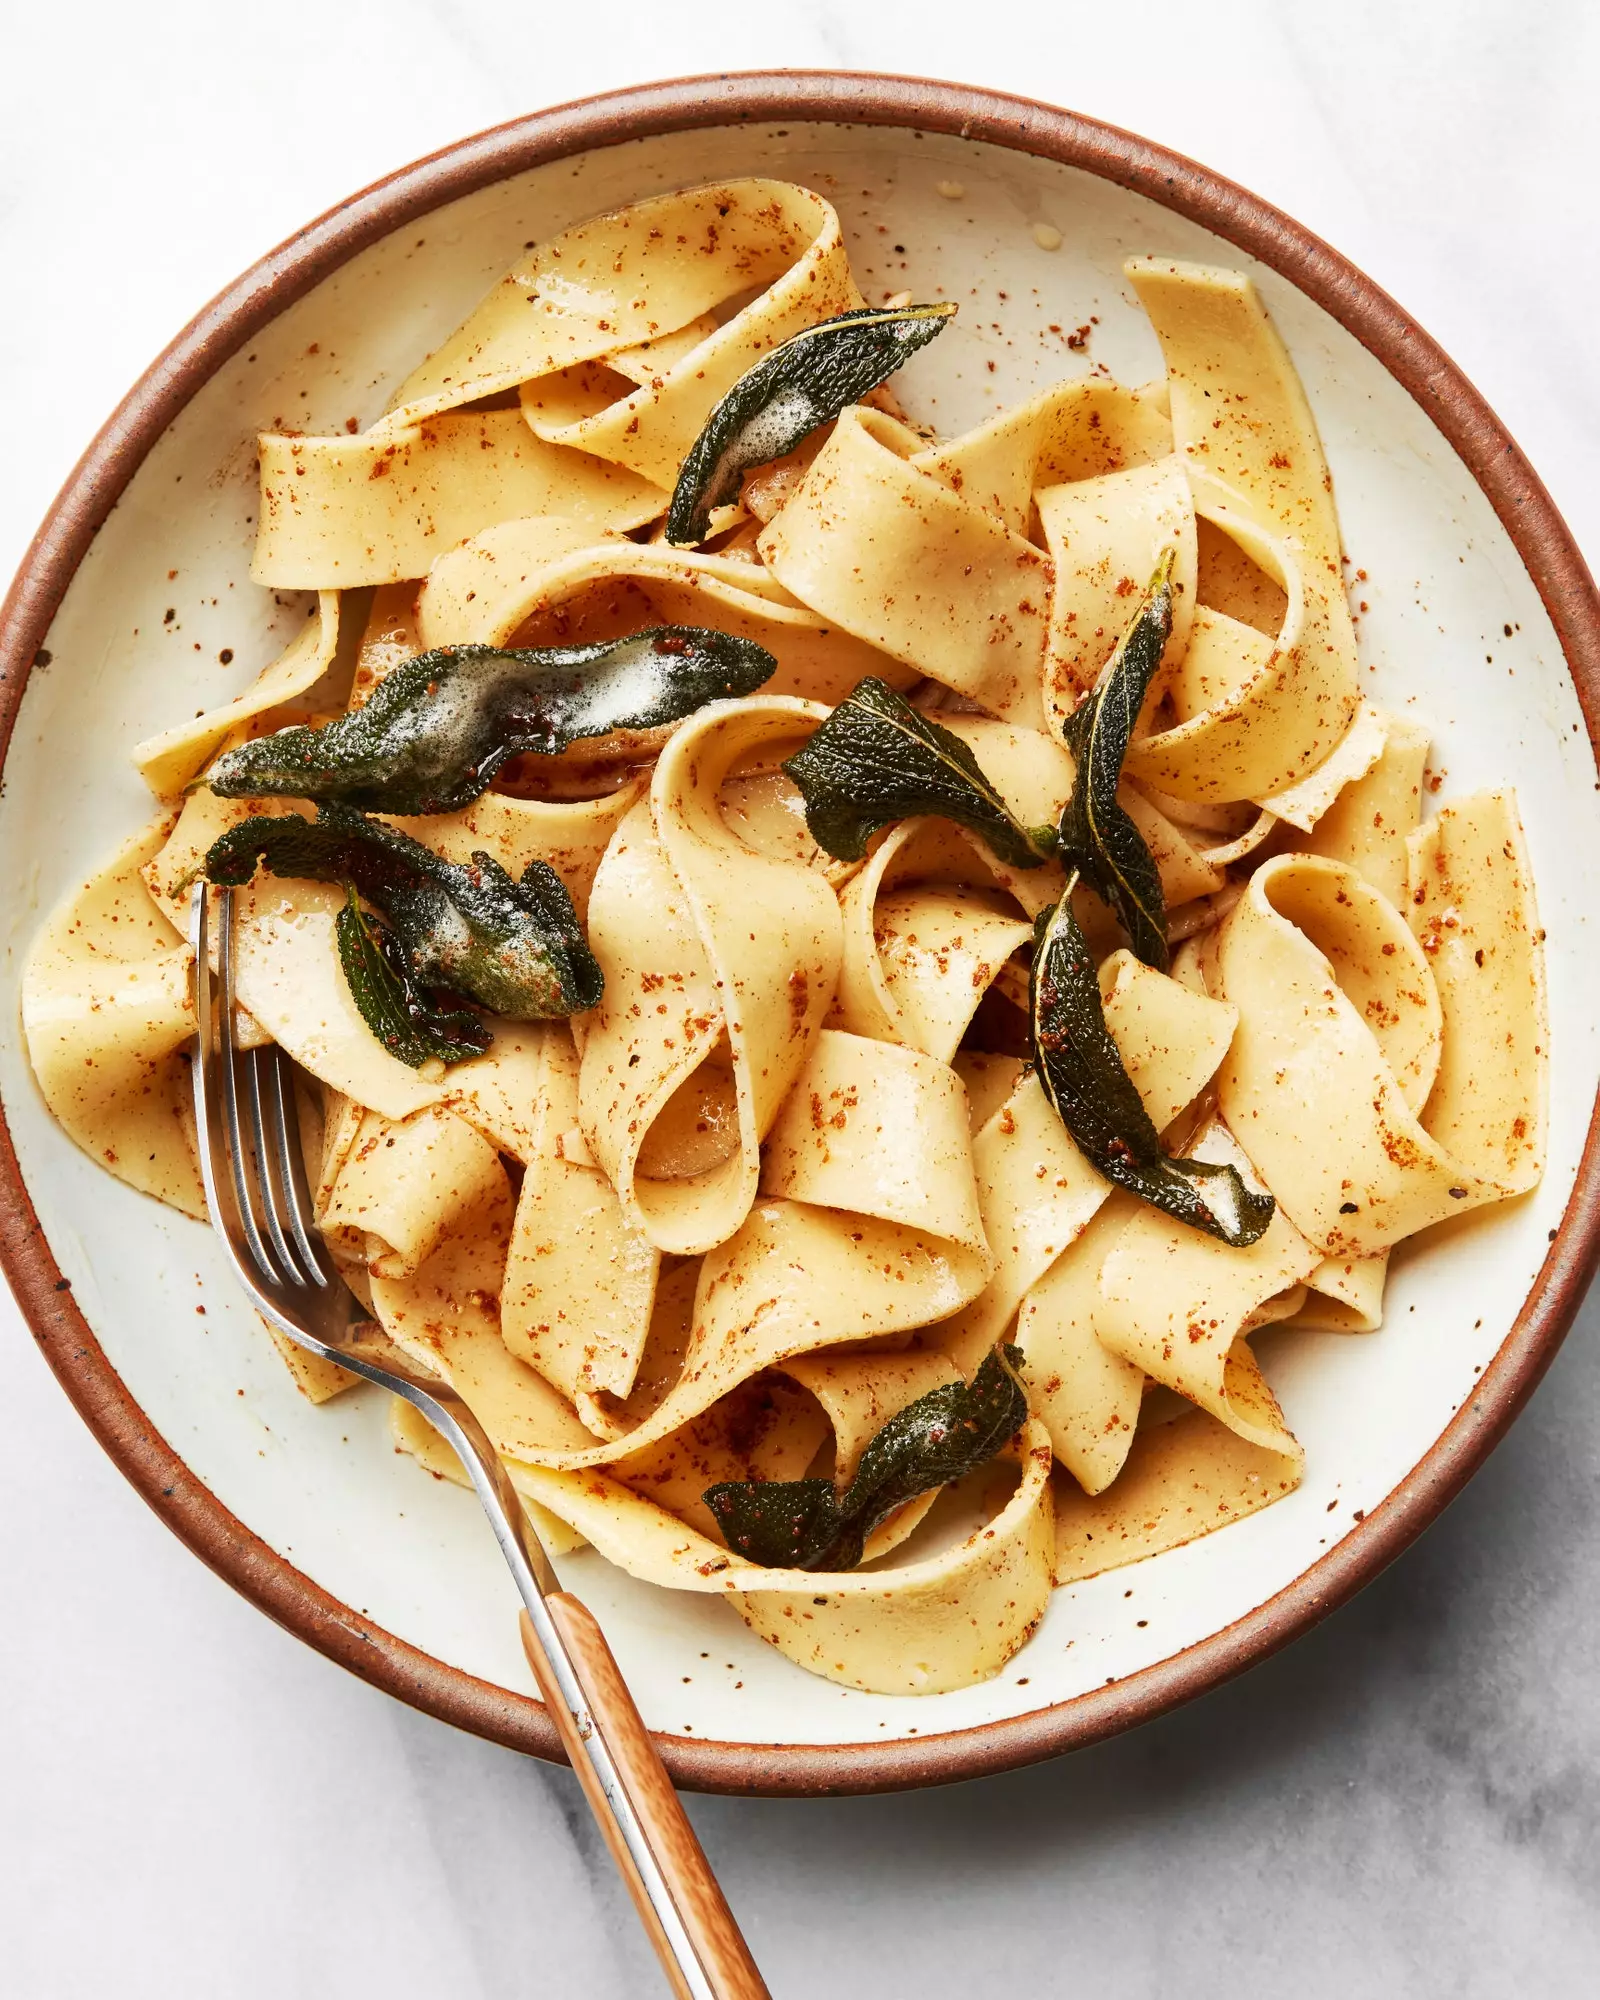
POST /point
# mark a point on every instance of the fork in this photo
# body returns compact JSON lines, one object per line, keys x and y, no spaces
{"x":260,"y":1205}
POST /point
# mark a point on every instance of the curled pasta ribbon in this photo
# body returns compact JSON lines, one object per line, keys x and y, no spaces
{"x":167,"y":762}
{"x":479,"y":592}
{"x":721,"y":963}
{"x":928,"y":925}
{"x":1422,"y":1057}
{"x":925,"y":936}
{"x":580,"y":1284}
{"x":1255,"y":716}
{"x":1239,"y":409}
{"x":404,"y":1185}
{"x":1074,"y":430}
{"x":107,"y":1010}
{"x":1037,"y":1192}
{"x":1179,"y":1306}
{"x":579,"y":596}
{"x":1471,"y":906}
{"x":1241,"y":420}
{"x":1367,"y":827}
{"x":894,"y":554}
{"x":871,"y":1129}
{"x":616,"y":289}
{"x":1344,"y":1295}
{"x":945,"y":1622}
{"x":1303,"y":803}
{"x":1105,"y":538}
{"x":658,"y":1032}
{"x":1369,"y":824}
{"x":446,"y":1315}
{"x":806,"y":273}
{"x":1087,"y":1397}
{"x":340,"y":512}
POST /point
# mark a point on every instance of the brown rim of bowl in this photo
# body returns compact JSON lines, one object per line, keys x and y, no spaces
{"x":1417,"y":363}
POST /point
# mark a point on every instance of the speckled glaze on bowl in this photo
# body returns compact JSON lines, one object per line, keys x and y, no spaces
{"x":1483,"y":621}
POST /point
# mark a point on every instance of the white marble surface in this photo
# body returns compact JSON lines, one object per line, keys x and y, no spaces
{"x":1406,"y":1803}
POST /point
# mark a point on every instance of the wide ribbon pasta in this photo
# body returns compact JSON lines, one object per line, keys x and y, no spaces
{"x":907,"y":563}
{"x":107,"y":1010}
{"x":405,"y":1185}
{"x":1037,"y":1191}
{"x":580,"y":1283}
{"x":1105,"y":538}
{"x":1075,"y":430}
{"x":1340,"y":1032}
{"x":707,"y":946}
{"x":1183,"y":1478}
{"x":1255,"y":717}
{"x":1180,"y":1305}
{"x":609,"y":290}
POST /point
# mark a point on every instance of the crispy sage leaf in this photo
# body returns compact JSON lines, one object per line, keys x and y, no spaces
{"x":878,"y":759}
{"x":438,"y":728}
{"x":805,"y":382}
{"x":805,"y":1524}
{"x":409,"y":1025}
{"x":513,"y":947}
{"x":1096,"y":835}
{"x":1094,"y":1097}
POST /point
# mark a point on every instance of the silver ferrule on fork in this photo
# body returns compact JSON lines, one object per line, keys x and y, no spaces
{"x":260,"y":1204}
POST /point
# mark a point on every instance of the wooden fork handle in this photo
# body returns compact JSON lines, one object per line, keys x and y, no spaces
{"x":723,"y":1953}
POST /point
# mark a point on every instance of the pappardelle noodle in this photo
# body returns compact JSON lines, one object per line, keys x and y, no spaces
{"x":840,"y":976}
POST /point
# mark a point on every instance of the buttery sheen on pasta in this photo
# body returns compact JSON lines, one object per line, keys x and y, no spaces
{"x":796,"y":1170}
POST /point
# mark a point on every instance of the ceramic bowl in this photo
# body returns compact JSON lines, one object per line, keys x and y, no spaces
{"x":1478,"y":616}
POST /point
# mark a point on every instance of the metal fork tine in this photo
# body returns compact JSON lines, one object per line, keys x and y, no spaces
{"x":268,"y":1146}
{"x":244,"y":1191}
{"x":208,"y":1123}
{"x":289,"y":1164}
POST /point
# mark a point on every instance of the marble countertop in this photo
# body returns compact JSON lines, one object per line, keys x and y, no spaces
{"x":1407,"y":1802}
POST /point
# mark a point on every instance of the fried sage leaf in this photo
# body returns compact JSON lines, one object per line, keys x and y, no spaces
{"x":1096,"y":835}
{"x":805,"y":382}
{"x":1084,"y":1078}
{"x":438,"y":728}
{"x":878,"y":759}
{"x":410,"y":1025}
{"x":806,"y":1524}
{"x":468,"y":928}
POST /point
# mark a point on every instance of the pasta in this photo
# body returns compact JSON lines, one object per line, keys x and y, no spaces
{"x":847,"y":1129}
